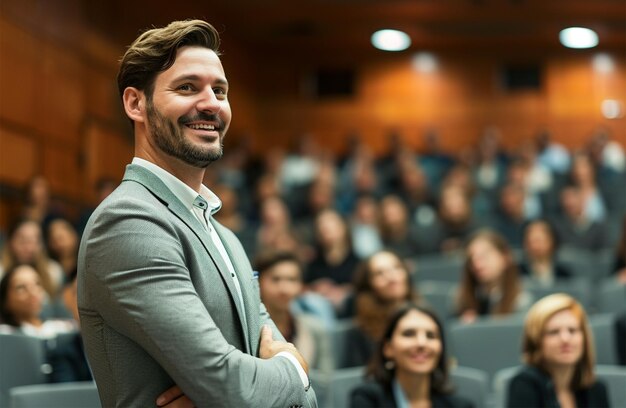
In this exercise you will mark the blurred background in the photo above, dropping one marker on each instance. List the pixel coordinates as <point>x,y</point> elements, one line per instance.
<point>308,68</point>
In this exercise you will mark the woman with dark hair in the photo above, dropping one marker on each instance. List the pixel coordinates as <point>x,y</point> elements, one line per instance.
<point>382,284</point>
<point>540,245</point>
<point>490,283</point>
<point>410,368</point>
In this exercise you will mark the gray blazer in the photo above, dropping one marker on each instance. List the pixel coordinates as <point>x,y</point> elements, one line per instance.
<point>158,307</point>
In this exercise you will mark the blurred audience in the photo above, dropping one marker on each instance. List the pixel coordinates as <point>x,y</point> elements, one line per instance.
<point>490,284</point>
<point>381,285</point>
<point>331,270</point>
<point>25,246</point>
<point>559,355</point>
<point>410,365</point>
<point>573,226</point>
<point>63,242</point>
<point>539,263</point>
<point>280,283</point>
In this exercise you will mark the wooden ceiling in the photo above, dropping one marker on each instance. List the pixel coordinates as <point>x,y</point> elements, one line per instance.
<point>339,28</point>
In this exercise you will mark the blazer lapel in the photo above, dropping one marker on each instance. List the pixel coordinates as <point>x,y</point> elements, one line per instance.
<point>240,268</point>
<point>159,190</point>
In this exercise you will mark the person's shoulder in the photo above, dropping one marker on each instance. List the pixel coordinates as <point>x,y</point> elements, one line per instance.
<point>451,401</point>
<point>372,392</point>
<point>528,373</point>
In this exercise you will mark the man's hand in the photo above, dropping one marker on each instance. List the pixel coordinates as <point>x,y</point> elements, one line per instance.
<point>174,398</point>
<point>268,348</point>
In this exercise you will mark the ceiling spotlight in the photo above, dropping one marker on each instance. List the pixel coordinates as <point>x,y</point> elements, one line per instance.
<point>391,40</point>
<point>578,37</point>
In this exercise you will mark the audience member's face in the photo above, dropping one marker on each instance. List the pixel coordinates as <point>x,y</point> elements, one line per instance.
<point>512,201</point>
<point>280,285</point>
<point>393,212</point>
<point>39,191</point>
<point>415,345</point>
<point>25,294</point>
<point>563,341</point>
<point>388,277</point>
<point>26,242</point>
<point>572,202</point>
<point>63,239</point>
<point>538,241</point>
<point>488,263</point>
<point>189,114</point>
<point>582,170</point>
<point>366,210</point>
<point>330,229</point>
<point>274,212</point>
<point>454,205</point>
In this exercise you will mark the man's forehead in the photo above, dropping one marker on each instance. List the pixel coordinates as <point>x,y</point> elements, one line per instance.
<point>193,62</point>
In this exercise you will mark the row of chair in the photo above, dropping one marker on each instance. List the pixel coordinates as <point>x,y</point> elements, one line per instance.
<point>593,266</point>
<point>608,296</point>
<point>471,383</point>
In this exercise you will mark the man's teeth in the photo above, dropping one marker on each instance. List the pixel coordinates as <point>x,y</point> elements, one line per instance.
<point>202,126</point>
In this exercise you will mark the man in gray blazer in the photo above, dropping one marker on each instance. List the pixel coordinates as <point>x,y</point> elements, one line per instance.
<point>166,294</point>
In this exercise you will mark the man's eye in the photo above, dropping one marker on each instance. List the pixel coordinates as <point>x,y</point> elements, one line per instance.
<point>185,87</point>
<point>219,91</point>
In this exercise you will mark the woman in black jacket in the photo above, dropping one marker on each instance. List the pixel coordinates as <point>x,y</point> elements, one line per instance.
<point>410,367</point>
<point>559,355</point>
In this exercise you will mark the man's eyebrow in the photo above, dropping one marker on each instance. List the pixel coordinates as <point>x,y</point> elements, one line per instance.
<point>193,77</point>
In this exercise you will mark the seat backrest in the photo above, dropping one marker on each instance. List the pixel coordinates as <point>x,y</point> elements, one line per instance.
<point>339,341</point>
<point>439,296</point>
<point>487,344</point>
<point>472,384</point>
<point>500,384</point>
<point>438,268</point>
<point>610,297</point>
<point>59,395</point>
<point>603,328</point>
<point>22,363</point>
<point>577,287</point>
<point>337,386</point>
<point>614,377</point>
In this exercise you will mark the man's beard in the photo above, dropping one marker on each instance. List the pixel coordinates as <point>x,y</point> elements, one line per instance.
<point>169,137</point>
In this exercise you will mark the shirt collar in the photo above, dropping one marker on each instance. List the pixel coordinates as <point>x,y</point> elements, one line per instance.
<point>182,191</point>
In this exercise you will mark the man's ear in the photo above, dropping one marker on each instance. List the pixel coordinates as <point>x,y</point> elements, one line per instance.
<point>134,104</point>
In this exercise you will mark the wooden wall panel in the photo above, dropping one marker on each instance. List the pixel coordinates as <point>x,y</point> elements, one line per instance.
<point>61,168</point>
<point>18,158</point>
<point>107,153</point>
<point>20,59</point>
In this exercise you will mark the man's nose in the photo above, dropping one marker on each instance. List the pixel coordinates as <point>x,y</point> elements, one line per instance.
<point>208,102</point>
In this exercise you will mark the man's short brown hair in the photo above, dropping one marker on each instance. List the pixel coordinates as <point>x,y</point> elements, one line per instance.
<point>155,51</point>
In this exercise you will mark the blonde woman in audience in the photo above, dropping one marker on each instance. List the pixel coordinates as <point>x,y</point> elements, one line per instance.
<point>382,284</point>
<point>490,284</point>
<point>559,355</point>
<point>410,367</point>
<point>25,246</point>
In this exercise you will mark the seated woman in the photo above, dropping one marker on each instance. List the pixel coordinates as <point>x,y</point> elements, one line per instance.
<point>559,355</point>
<point>490,284</point>
<point>410,367</point>
<point>382,285</point>
<point>21,302</point>
<point>540,264</point>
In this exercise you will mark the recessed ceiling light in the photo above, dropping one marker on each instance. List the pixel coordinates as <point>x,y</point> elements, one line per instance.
<point>391,40</point>
<point>578,37</point>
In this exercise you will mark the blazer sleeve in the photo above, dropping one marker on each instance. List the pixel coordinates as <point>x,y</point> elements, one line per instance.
<point>136,276</point>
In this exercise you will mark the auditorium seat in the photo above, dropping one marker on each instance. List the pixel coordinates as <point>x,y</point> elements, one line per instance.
<point>603,328</point>
<point>60,395</point>
<point>22,363</point>
<point>472,384</point>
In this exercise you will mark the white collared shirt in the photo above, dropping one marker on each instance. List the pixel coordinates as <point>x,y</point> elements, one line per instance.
<point>195,203</point>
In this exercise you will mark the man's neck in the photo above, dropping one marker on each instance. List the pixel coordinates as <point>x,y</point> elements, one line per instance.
<point>190,175</point>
